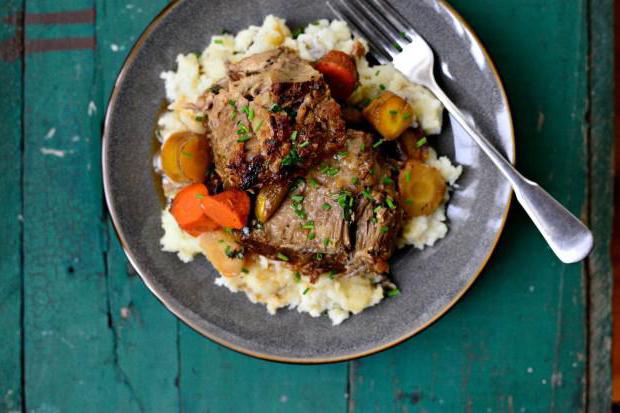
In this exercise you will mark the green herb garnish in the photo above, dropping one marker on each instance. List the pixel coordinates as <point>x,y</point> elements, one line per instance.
<point>199,118</point>
<point>377,72</point>
<point>296,32</point>
<point>362,147</point>
<point>218,41</point>
<point>306,291</point>
<point>275,108</point>
<point>308,225</point>
<point>331,274</point>
<point>199,196</point>
<point>319,256</point>
<point>258,126</point>
<point>407,115</point>
<point>408,201</point>
<point>313,182</point>
<point>407,176</point>
<point>326,206</point>
<point>393,112</point>
<point>297,198</point>
<point>329,170</point>
<point>244,138</point>
<point>420,143</point>
<point>187,154</point>
<point>297,276</point>
<point>326,242</point>
<point>393,293</point>
<point>355,180</point>
<point>367,194</point>
<point>245,270</point>
<point>294,136</point>
<point>390,202</point>
<point>387,180</point>
<point>282,257</point>
<point>382,86</point>
<point>384,230</point>
<point>292,158</point>
<point>311,236</point>
<point>377,144</point>
<point>304,144</point>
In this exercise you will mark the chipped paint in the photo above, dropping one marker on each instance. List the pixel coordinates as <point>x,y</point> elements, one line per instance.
<point>50,134</point>
<point>54,152</point>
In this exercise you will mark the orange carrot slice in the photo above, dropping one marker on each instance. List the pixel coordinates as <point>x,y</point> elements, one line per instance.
<point>186,209</point>
<point>340,72</point>
<point>228,209</point>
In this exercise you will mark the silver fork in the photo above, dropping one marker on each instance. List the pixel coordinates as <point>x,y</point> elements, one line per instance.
<point>392,38</point>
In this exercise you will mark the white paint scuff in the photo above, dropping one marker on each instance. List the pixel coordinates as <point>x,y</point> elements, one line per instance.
<point>50,134</point>
<point>53,152</point>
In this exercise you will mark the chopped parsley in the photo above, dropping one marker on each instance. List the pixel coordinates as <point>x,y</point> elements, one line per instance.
<point>390,202</point>
<point>294,136</point>
<point>258,126</point>
<point>355,180</point>
<point>199,196</point>
<point>326,206</point>
<point>297,198</point>
<point>408,201</point>
<point>244,138</point>
<point>292,158</point>
<point>311,236</point>
<point>393,112</point>
<point>187,154</point>
<point>233,253</point>
<point>245,270</point>
<point>329,170</point>
<point>297,276</point>
<point>297,31</point>
<point>367,194</point>
<point>275,108</point>
<point>249,112</point>
<point>313,182</point>
<point>387,180</point>
<point>408,175</point>
<point>199,118</point>
<point>228,230</point>
<point>282,257</point>
<point>384,230</point>
<point>397,47</point>
<point>232,103</point>
<point>218,41</point>
<point>362,147</point>
<point>342,154</point>
<point>308,225</point>
<point>407,115</point>
<point>304,144</point>
<point>402,35</point>
<point>382,86</point>
<point>420,143</point>
<point>377,144</point>
<point>346,202</point>
<point>365,102</point>
<point>393,293</point>
<point>306,291</point>
<point>331,274</point>
<point>326,242</point>
<point>377,72</point>
<point>319,256</point>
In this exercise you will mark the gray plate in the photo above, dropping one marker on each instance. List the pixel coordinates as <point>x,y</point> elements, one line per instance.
<point>431,281</point>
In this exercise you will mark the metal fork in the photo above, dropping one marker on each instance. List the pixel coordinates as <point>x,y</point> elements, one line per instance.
<point>392,38</point>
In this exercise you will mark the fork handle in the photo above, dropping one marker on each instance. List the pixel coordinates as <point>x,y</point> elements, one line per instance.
<point>567,236</point>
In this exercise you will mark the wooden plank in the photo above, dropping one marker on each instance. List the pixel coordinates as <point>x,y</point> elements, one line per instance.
<point>601,141</point>
<point>517,340</point>
<point>71,360</point>
<point>214,379</point>
<point>145,332</point>
<point>10,207</point>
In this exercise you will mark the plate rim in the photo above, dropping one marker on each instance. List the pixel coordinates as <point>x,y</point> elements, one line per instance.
<point>179,312</point>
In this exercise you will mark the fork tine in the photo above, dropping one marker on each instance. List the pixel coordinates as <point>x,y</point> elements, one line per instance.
<point>376,39</point>
<point>385,9</point>
<point>392,33</point>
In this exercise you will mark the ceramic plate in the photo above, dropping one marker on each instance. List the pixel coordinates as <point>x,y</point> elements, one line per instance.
<point>431,281</point>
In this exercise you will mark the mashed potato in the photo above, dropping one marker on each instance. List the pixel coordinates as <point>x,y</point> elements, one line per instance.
<point>269,282</point>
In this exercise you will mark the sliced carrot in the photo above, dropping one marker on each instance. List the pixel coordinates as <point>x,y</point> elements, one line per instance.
<point>186,209</point>
<point>228,209</point>
<point>340,72</point>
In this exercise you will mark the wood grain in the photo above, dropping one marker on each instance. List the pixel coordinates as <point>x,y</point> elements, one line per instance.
<point>516,342</point>
<point>531,335</point>
<point>601,167</point>
<point>11,110</point>
<point>145,333</point>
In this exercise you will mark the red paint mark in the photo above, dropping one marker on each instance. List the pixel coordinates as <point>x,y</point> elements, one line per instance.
<point>63,17</point>
<point>10,49</point>
<point>53,45</point>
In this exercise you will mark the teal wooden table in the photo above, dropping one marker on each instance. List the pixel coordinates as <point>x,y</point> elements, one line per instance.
<point>79,332</point>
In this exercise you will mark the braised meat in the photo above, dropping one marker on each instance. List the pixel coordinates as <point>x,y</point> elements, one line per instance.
<point>341,217</point>
<point>272,118</point>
